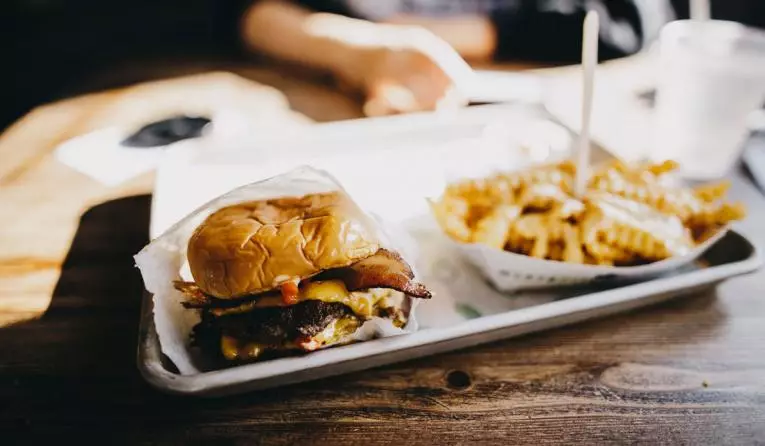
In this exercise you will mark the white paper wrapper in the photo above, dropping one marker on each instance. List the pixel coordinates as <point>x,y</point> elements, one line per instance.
<point>164,260</point>
<point>509,271</point>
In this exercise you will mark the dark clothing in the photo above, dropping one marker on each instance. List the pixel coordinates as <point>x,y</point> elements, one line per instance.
<point>50,46</point>
<point>539,30</point>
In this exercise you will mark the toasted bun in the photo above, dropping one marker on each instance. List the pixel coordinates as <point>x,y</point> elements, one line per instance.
<point>251,247</point>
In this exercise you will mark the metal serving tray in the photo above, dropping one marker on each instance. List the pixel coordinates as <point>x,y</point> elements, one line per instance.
<point>513,315</point>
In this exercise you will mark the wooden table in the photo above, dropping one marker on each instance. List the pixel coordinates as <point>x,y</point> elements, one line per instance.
<point>687,372</point>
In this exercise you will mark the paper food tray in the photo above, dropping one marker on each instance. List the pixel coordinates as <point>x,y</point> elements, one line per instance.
<point>509,271</point>
<point>389,174</point>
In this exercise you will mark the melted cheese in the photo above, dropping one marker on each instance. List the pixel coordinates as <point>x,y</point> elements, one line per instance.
<point>362,303</point>
<point>233,349</point>
<point>335,332</point>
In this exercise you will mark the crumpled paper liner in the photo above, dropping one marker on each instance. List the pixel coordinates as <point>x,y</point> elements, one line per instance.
<point>164,260</point>
<point>509,271</point>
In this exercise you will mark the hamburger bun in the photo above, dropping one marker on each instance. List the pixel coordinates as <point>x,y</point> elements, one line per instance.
<point>252,247</point>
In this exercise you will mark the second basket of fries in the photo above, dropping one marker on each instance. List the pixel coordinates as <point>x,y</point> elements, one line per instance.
<point>526,229</point>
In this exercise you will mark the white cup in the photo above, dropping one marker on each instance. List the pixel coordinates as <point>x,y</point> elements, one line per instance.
<point>711,77</point>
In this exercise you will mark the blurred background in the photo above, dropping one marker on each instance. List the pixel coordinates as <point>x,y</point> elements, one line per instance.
<point>57,48</point>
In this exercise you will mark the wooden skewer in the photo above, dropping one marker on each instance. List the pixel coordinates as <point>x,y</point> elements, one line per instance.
<point>700,10</point>
<point>589,62</point>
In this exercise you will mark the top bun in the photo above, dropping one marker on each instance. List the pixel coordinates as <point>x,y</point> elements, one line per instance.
<point>252,247</point>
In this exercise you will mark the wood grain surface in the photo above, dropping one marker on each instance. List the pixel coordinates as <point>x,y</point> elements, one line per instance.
<point>688,372</point>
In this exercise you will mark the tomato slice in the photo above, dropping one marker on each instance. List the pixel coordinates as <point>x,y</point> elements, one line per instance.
<point>289,293</point>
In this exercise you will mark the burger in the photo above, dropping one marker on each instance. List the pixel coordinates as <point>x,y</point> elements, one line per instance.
<point>291,274</point>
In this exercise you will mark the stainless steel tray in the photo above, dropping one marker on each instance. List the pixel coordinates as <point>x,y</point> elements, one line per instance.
<point>512,316</point>
<point>733,255</point>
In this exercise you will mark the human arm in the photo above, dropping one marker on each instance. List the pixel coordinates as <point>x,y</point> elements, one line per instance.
<point>400,68</point>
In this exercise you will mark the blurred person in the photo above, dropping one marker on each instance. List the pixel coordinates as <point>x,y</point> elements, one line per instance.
<point>57,49</point>
<point>409,55</point>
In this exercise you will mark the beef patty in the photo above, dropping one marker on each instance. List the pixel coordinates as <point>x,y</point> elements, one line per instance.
<point>273,325</point>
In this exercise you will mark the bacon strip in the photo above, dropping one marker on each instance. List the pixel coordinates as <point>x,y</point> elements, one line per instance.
<point>196,298</point>
<point>385,269</point>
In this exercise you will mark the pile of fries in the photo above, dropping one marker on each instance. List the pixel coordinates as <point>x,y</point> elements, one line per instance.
<point>629,215</point>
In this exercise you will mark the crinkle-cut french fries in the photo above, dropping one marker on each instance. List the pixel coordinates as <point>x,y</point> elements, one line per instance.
<point>561,175</point>
<point>492,230</point>
<point>681,202</point>
<point>599,253</point>
<point>541,247</point>
<point>571,209</point>
<point>451,214</point>
<point>572,245</point>
<point>638,228</point>
<point>712,192</point>
<point>542,196</point>
<point>629,215</point>
<point>718,215</point>
<point>660,169</point>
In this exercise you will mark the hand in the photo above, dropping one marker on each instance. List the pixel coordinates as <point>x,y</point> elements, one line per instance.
<point>399,67</point>
<point>416,72</point>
